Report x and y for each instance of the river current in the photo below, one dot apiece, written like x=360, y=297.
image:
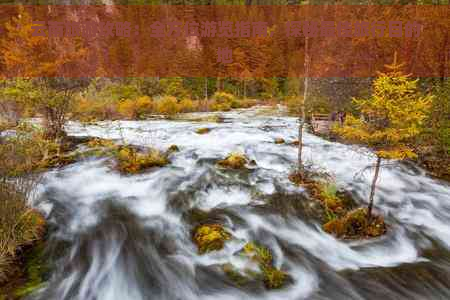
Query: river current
x=116, y=237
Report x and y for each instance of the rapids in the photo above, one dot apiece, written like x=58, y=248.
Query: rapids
x=118, y=237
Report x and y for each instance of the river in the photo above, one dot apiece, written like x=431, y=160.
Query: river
x=118, y=237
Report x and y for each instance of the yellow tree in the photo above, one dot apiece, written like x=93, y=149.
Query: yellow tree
x=390, y=118
x=37, y=66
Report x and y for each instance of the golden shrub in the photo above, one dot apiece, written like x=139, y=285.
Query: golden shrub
x=187, y=105
x=167, y=105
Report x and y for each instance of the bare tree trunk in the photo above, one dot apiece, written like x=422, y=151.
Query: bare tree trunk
x=301, y=169
x=372, y=190
x=245, y=90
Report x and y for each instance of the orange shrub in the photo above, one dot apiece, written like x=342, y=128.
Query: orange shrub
x=135, y=109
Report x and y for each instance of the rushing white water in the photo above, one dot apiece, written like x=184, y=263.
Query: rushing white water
x=126, y=237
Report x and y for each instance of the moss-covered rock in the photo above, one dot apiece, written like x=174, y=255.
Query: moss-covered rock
x=258, y=253
x=216, y=118
x=130, y=161
x=210, y=237
x=172, y=149
x=234, y=161
x=279, y=141
x=203, y=130
x=340, y=216
x=271, y=276
x=234, y=275
x=355, y=224
x=100, y=143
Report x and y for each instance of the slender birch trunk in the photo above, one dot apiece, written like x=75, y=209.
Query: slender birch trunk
x=372, y=189
x=206, y=93
x=302, y=116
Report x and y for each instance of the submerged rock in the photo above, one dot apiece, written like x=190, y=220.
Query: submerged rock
x=202, y=130
x=234, y=275
x=210, y=237
x=279, y=141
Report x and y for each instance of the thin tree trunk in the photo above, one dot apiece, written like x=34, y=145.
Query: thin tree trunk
x=302, y=108
x=206, y=93
x=372, y=190
x=245, y=91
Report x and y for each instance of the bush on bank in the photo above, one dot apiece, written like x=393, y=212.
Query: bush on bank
x=21, y=154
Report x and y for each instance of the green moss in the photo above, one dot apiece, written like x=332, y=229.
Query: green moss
x=35, y=270
x=271, y=276
x=328, y=196
x=258, y=253
x=234, y=275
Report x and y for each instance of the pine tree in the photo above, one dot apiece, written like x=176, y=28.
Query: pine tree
x=390, y=118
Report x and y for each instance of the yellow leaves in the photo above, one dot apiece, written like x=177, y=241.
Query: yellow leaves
x=397, y=153
x=353, y=130
x=26, y=55
x=392, y=116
